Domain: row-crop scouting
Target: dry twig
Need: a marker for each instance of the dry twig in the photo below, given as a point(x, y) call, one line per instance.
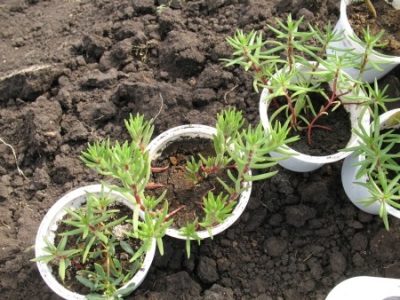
point(15, 157)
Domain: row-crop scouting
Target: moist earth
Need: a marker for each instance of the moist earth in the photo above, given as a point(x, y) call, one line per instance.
point(72, 70)
point(387, 20)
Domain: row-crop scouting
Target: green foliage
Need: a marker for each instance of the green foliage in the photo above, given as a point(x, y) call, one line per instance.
point(241, 149)
point(380, 164)
point(58, 254)
point(140, 130)
point(193, 167)
point(90, 228)
point(91, 237)
point(251, 151)
point(127, 162)
point(94, 228)
point(154, 226)
point(235, 148)
point(217, 209)
point(294, 63)
point(189, 231)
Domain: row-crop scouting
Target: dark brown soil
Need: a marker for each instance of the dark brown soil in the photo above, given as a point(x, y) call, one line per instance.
point(387, 20)
point(95, 62)
point(331, 133)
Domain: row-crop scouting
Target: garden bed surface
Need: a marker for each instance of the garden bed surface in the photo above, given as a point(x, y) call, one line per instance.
point(72, 71)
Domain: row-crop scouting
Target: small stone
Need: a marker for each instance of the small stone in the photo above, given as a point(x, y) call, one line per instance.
point(41, 179)
point(223, 264)
point(97, 79)
point(182, 284)
point(275, 220)
point(308, 285)
point(18, 42)
point(364, 217)
point(176, 4)
point(304, 12)
point(316, 269)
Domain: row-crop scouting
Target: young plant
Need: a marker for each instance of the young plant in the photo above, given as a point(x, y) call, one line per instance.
point(238, 150)
point(380, 163)
point(94, 245)
point(190, 232)
point(130, 164)
point(235, 148)
point(59, 255)
point(294, 66)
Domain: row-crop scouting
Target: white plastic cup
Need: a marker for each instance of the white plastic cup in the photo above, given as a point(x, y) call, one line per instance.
point(366, 288)
point(385, 62)
point(49, 225)
point(200, 131)
point(300, 162)
point(355, 192)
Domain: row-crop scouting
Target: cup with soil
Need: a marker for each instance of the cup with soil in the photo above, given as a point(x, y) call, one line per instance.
point(370, 175)
point(78, 264)
point(316, 98)
point(214, 177)
point(334, 130)
point(207, 172)
point(173, 149)
point(355, 17)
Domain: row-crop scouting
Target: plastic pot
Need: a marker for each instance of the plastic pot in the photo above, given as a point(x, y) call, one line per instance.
point(366, 288)
point(356, 192)
point(49, 225)
point(196, 131)
point(395, 3)
point(300, 162)
point(385, 62)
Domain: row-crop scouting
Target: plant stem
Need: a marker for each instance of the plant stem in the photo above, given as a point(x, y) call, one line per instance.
point(159, 169)
point(172, 213)
point(324, 109)
point(241, 177)
point(293, 122)
point(371, 8)
point(108, 264)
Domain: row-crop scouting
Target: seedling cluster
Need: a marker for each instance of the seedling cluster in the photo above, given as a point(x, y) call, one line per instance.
point(295, 64)
point(93, 245)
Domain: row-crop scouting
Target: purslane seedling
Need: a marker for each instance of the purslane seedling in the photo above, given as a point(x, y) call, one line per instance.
point(294, 65)
point(235, 148)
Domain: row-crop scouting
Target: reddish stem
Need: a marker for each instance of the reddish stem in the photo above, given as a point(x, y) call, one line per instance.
point(169, 215)
point(264, 81)
point(291, 108)
point(324, 109)
point(159, 169)
point(137, 197)
point(152, 185)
